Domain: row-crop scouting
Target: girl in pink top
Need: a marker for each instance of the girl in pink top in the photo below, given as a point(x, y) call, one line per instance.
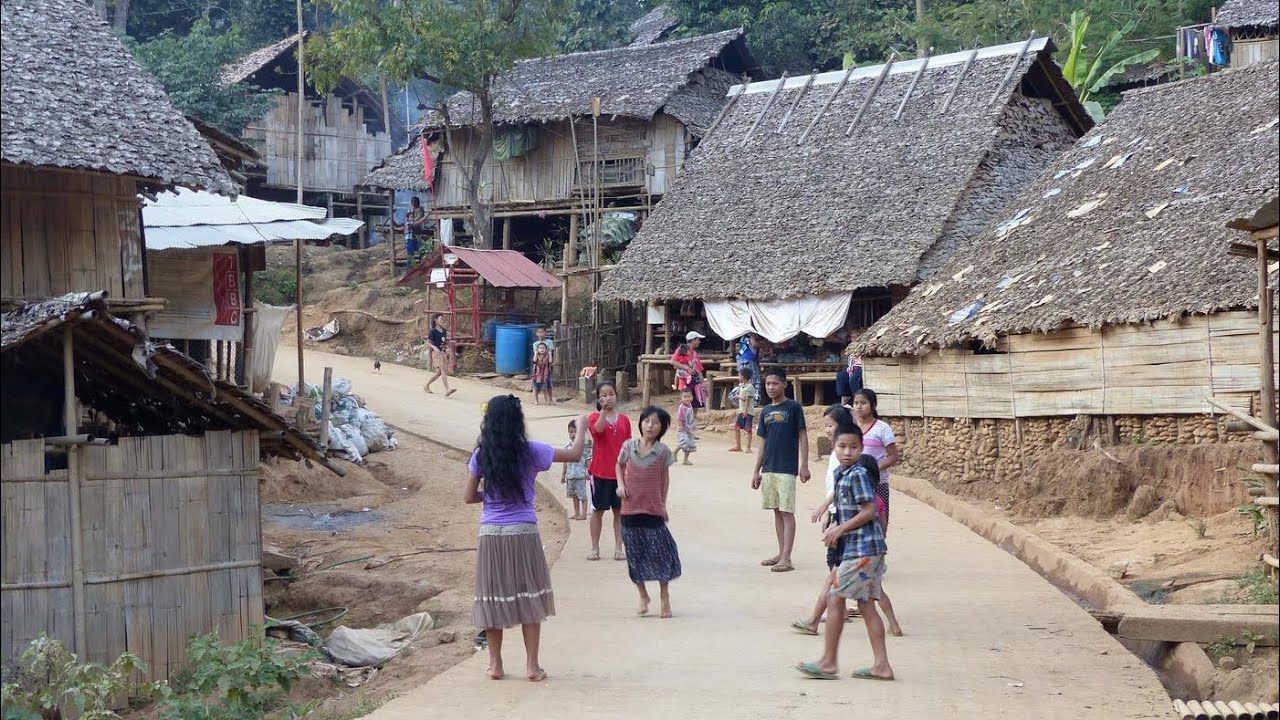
point(644, 476)
point(879, 442)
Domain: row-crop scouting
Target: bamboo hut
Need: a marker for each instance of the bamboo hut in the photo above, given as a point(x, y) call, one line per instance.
point(1100, 305)
point(654, 26)
point(846, 188)
point(1254, 27)
point(128, 487)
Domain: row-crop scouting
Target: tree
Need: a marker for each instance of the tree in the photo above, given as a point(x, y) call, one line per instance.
point(600, 24)
point(460, 44)
point(1088, 77)
point(795, 36)
point(188, 66)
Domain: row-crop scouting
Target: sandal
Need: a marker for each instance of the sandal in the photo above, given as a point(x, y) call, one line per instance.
point(770, 562)
point(812, 670)
point(802, 627)
point(618, 555)
point(865, 674)
point(782, 567)
point(593, 554)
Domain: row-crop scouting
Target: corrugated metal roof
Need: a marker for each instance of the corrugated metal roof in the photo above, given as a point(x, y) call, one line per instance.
point(163, 238)
point(187, 218)
point(499, 268)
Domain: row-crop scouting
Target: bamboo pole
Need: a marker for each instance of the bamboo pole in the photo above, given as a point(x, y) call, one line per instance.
point(297, 243)
point(70, 424)
point(246, 362)
point(325, 399)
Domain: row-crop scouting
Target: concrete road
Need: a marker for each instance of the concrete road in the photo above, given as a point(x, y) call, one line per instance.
point(985, 635)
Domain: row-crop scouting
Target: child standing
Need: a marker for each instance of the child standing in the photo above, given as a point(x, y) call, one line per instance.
point(783, 455)
point(574, 477)
point(685, 426)
point(862, 548)
point(542, 373)
point(643, 480)
point(746, 394)
point(609, 430)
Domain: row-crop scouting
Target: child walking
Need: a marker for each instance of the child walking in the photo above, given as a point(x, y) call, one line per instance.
point(856, 533)
point(783, 455)
point(574, 476)
point(609, 430)
point(513, 584)
point(542, 374)
point(685, 426)
point(746, 395)
point(644, 477)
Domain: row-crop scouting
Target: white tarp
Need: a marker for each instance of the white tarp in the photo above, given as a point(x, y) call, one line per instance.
point(202, 290)
point(164, 238)
point(779, 320)
point(268, 320)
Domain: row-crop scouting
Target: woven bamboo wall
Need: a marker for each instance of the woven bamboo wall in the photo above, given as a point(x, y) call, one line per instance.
point(337, 151)
point(171, 546)
point(64, 232)
point(1165, 368)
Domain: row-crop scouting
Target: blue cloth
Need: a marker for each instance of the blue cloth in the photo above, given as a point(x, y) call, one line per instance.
point(854, 489)
point(746, 353)
point(846, 384)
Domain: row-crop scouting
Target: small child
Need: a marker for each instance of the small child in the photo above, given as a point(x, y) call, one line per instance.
point(574, 477)
point(643, 480)
point(746, 397)
point(542, 374)
point(857, 535)
point(685, 426)
point(681, 350)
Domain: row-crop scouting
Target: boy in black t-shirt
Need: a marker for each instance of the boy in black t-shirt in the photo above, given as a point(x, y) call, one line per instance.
point(783, 456)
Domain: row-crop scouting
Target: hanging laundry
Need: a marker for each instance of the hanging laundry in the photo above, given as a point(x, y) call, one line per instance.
point(1219, 47)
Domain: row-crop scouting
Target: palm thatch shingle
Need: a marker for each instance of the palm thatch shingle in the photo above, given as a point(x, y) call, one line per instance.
point(633, 81)
point(1249, 13)
point(72, 97)
point(401, 171)
point(1126, 227)
point(654, 25)
point(835, 186)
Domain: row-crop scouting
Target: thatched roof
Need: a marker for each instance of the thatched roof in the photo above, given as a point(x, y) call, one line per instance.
point(247, 66)
point(72, 97)
point(145, 389)
point(633, 81)
point(400, 171)
point(653, 26)
point(1249, 13)
point(842, 210)
point(1127, 227)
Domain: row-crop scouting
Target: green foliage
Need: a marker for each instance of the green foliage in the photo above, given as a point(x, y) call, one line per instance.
point(1199, 525)
point(276, 286)
point(795, 37)
point(242, 681)
point(188, 67)
point(49, 681)
point(1259, 588)
point(599, 24)
point(1089, 76)
point(1257, 516)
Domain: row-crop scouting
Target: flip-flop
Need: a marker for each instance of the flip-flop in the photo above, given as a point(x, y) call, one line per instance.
point(865, 674)
point(593, 554)
point(451, 391)
point(897, 633)
point(540, 676)
point(770, 562)
point(802, 627)
point(619, 555)
point(782, 567)
point(812, 670)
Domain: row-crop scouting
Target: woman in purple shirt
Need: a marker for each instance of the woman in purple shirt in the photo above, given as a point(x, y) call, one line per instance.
point(513, 584)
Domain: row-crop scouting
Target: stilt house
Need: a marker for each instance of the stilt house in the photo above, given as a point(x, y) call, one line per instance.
point(1100, 304)
point(1254, 27)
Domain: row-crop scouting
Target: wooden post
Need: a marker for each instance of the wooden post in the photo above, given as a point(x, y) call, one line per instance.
point(1266, 369)
point(325, 399)
point(506, 233)
point(646, 382)
point(362, 236)
point(246, 353)
point(648, 331)
point(666, 327)
point(391, 213)
point(70, 424)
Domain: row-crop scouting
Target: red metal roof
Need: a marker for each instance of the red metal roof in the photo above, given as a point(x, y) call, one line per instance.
point(499, 268)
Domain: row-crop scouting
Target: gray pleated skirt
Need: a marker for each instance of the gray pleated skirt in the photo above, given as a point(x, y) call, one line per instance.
point(513, 584)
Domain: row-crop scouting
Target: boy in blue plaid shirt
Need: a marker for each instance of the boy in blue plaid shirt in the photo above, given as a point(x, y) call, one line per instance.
point(858, 535)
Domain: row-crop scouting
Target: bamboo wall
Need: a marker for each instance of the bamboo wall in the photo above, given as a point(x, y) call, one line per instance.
point(64, 232)
point(1166, 368)
point(648, 154)
point(171, 546)
point(338, 148)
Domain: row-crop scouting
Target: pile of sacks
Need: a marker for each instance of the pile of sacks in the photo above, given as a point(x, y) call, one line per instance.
point(354, 430)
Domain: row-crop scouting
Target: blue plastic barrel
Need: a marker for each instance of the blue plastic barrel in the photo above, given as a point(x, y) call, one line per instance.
point(511, 349)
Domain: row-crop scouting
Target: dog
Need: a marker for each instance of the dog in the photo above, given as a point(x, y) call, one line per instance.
point(377, 366)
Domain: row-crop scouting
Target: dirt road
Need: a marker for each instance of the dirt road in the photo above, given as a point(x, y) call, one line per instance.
point(985, 636)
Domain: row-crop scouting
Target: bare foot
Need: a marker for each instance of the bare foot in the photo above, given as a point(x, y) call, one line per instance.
point(644, 607)
point(537, 675)
point(666, 610)
point(770, 562)
point(450, 392)
point(428, 389)
point(735, 449)
point(495, 673)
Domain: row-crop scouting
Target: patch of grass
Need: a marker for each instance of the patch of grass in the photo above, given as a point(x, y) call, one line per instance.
point(275, 286)
point(1259, 589)
point(1200, 525)
point(1221, 647)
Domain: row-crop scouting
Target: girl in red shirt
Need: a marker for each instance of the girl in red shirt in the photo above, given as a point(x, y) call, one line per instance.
point(609, 430)
point(644, 473)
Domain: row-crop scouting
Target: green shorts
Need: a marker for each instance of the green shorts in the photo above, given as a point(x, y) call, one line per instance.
point(778, 492)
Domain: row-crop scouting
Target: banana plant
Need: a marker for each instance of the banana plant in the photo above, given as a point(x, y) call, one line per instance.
point(1089, 76)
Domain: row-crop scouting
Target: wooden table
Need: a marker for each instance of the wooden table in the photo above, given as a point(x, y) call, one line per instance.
point(655, 371)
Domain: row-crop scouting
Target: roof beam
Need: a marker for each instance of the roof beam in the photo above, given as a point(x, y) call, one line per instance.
point(884, 73)
point(964, 72)
point(723, 111)
point(823, 110)
point(763, 111)
point(911, 88)
point(1017, 60)
point(807, 84)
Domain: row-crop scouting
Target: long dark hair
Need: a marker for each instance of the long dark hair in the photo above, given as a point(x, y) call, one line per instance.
point(664, 419)
point(602, 385)
point(870, 396)
point(839, 413)
point(503, 447)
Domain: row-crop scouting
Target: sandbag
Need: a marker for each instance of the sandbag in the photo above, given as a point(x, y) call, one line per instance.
point(268, 320)
point(374, 430)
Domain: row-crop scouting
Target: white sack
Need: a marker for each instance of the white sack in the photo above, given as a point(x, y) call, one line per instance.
point(375, 646)
point(267, 323)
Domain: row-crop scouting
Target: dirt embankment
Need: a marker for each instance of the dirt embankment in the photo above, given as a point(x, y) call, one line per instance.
point(389, 539)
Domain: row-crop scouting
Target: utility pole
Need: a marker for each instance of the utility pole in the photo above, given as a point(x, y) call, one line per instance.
point(297, 243)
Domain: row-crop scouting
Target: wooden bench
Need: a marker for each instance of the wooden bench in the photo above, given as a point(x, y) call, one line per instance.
point(724, 383)
point(819, 380)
